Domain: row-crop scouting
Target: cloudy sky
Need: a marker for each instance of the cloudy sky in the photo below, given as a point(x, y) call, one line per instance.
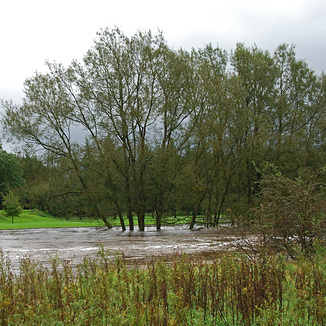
point(34, 31)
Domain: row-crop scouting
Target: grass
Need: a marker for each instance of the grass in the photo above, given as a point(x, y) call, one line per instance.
point(35, 219)
point(232, 290)
point(31, 219)
point(184, 290)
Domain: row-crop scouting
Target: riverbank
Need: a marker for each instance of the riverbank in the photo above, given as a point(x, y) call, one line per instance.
point(231, 290)
point(34, 219)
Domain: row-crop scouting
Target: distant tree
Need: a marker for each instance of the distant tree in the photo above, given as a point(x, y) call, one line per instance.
point(11, 174)
point(52, 187)
point(11, 206)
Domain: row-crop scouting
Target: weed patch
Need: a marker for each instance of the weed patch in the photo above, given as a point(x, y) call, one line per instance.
point(232, 290)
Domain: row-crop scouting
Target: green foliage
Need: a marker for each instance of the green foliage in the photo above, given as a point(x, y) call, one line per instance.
point(11, 174)
point(230, 291)
point(11, 206)
point(167, 130)
point(292, 213)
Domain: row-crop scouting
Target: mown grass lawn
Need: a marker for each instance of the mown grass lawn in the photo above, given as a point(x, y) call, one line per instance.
point(31, 219)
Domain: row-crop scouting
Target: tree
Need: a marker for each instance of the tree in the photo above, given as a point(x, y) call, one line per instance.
point(11, 206)
point(299, 105)
point(126, 91)
point(177, 108)
point(256, 72)
point(117, 87)
point(216, 135)
point(43, 122)
point(52, 187)
point(11, 174)
point(115, 96)
point(152, 122)
point(283, 107)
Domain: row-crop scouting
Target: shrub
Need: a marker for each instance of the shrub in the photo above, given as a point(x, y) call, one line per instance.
point(11, 206)
point(292, 213)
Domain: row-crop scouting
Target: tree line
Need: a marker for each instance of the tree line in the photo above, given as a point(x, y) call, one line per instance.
point(138, 127)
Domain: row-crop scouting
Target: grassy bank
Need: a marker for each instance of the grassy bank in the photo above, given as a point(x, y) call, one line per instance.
point(230, 291)
point(37, 219)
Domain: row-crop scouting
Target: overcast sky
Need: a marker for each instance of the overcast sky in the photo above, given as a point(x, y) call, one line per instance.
point(33, 31)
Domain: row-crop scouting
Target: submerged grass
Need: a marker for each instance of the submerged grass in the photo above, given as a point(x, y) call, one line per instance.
point(232, 290)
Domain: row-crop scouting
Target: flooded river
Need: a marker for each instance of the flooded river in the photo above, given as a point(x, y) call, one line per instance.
point(75, 243)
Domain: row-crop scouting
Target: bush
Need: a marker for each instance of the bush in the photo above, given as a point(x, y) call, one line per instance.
point(292, 213)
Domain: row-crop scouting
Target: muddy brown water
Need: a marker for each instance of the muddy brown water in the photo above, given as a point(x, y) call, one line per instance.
point(137, 247)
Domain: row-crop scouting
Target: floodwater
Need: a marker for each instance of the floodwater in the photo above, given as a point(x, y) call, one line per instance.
point(137, 247)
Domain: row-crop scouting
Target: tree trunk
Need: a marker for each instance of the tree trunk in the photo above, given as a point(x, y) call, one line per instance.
point(129, 208)
point(194, 217)
point(141, 196)
point(122, 222)
point(158, 220)
point(159, 211)
point(141, 221)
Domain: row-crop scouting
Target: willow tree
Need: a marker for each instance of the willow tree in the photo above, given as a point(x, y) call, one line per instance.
point(119, 82)
point(284, 104)
point(142, 92)
point(177, 108)
point(209, 131)
point(298, 109)
point(256, 71)
point(43, 121)
point(119, 95)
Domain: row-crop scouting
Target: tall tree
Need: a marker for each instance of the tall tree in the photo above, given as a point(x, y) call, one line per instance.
point(119, 83)
point(177, 105)
point(42, 121)
point(298, 108)
point(257, 73)
point(152, 122)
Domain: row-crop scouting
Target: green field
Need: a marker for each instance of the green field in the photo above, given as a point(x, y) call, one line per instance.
point(31, 219)
point(34, 219)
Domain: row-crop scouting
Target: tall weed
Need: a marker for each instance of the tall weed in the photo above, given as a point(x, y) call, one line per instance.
point(232, 290)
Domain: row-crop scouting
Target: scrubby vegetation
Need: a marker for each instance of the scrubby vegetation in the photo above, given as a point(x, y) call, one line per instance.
point(232, 290)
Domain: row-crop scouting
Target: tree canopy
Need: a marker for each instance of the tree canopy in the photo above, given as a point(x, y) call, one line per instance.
point(163, 130)
point(11, 173)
